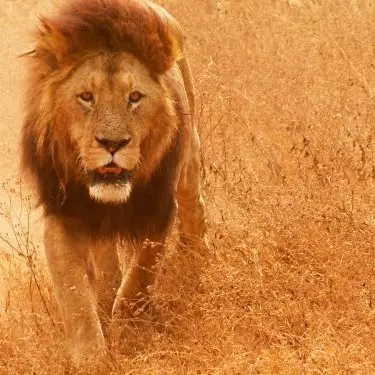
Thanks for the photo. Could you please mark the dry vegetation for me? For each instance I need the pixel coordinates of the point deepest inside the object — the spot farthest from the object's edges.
(285, 110)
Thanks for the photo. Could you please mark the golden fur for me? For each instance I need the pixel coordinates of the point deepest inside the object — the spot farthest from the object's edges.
(110, 144)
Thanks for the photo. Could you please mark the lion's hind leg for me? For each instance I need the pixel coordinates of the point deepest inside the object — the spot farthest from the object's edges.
(133, 296)
(191, 207)
(133, 293)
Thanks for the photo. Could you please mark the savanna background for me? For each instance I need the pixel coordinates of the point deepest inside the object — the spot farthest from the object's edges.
(286, 112)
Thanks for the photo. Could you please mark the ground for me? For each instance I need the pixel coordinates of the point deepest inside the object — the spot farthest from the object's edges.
(285, 111)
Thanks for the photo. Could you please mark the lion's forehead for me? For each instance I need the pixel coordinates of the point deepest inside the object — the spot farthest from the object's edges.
(115, 71)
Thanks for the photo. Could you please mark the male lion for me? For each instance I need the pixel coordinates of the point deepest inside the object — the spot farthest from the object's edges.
(110, 144)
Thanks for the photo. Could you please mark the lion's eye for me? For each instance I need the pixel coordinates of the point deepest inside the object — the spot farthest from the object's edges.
(86, 97)
(135, 97)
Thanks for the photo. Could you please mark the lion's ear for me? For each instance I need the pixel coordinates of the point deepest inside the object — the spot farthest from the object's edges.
(170, 33)
(176, 41)
(51, 44)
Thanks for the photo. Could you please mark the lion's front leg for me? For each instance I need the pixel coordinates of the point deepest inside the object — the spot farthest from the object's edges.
(138, 279)
(108, 277)
(68, 256)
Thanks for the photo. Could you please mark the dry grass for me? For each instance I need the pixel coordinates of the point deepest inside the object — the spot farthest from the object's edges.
(285, 109)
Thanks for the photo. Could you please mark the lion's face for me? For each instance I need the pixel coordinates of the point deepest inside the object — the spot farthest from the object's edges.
(120, 120)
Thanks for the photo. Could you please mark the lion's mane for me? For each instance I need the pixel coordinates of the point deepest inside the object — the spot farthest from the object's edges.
(114, 25)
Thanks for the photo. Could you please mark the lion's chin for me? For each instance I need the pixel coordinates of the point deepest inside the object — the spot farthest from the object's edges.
(114, 193)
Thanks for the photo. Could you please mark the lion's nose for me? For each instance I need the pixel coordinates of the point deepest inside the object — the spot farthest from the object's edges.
(112, 145)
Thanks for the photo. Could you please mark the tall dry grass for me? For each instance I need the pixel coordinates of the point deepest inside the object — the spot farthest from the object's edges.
(285, 111)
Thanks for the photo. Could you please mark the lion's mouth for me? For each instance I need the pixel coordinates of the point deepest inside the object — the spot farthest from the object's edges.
(109, 174)
(111, 168)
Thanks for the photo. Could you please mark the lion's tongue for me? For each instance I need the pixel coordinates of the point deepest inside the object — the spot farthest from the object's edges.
(106, 170)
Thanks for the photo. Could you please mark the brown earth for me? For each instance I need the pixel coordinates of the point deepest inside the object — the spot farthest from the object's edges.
(285, 109)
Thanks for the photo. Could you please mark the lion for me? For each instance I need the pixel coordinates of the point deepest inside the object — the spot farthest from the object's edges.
(110, 145)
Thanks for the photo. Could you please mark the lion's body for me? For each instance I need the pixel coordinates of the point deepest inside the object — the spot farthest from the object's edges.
(111, 146)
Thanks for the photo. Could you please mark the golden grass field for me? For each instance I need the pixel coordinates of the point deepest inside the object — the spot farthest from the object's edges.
(285, 93)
